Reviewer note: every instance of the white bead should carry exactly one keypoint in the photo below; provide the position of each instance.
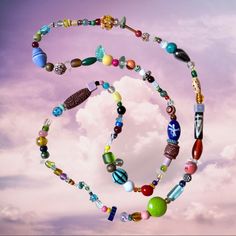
(155, 84)
(142, 72)
(163, 44)
(129, 186)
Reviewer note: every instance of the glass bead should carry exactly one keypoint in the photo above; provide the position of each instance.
(87, 188)
(119, 176)
(80, 185)
(112, 213)
(106, 85)
(171, 47)
(174, 130)
(43, 133)
(157, 206)
(75, 62)
(45, 155)
(122, 62)
(39, 57)
(147, 190)
(100, 52)
(163, 44)
(104, 208)
(145, 215)
(190, 167)
(181, 55)
(88, 61)
(43, 148)
(60, 68)
(191, 65)
(57, 172)
(115, 62)
(119, 162)
(35, 44)
(187, 177)
(59, 23)
(136, 216)
(41, 141)
(123, 22)
(182, 183)
(50, 164)
(121, 110)
(98, 204)
(130, 64)
(93, 198)
(120, 117)
(137, 68)
(194, 73)
(111, 89)
(124, 216)
(175, 192)
(142, 72)
(45, 29)
(85, 22)
(138, 33)
(108, 157)
(163, 168)
(57, 111)
(107, 60)
(199, 107)
(107, 148)
(111, 167)
(197, 149)
(117, 129)
(155, 182)
(119, 124)
(63, 176)
(37, 37)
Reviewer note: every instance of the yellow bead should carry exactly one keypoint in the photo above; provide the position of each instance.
(57, 172)
(107, 60)
(107, 148)
(152, 185)
(41, 141)
(107, 22)
(160, 176)
(116, 96)
(67, 23)
(199, 98)
(108, 210)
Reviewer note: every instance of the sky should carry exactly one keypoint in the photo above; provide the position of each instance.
(33, 201)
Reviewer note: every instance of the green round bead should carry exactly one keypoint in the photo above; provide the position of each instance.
(108, 157)
(45, 155)
(157, 206)
(45, 128)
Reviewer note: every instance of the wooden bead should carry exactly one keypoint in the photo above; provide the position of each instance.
(75, 62)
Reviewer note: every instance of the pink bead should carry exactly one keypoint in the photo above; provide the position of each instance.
(115, 62)
(43, 133)
(145, 215)
(104, 209)
(190, 167)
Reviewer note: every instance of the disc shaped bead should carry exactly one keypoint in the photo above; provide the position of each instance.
(171, 47)
(89, 61)
(108, 157)
(119, 176)
(41, 141)
(107, 60)
(174, 130)
(147, 190)
(157, 206)
(75, 62)
(197, 149)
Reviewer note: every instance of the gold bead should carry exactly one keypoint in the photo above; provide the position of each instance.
(136, 216)
(199, 98)
(107, 22)
(152, 185)
(66, 23)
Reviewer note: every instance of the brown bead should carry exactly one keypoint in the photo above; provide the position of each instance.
(111, 167)
(71, 181)
(49, 67)
(57, 172)
(171, 151)
(75, 62)
(171, 110)
(136, 216)
(130, 64)
(197, 149)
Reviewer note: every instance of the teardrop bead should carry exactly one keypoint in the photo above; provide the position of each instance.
(181, 55)
(197, 149)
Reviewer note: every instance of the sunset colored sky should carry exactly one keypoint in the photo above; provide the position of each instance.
(33, 200)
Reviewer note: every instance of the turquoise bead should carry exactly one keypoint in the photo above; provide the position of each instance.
(39, 57)
(89, 61)
(171, 47)
(100, 52)
(119, 176)
(106, 85)
(45, 29)
(57, 111)
(175, 192)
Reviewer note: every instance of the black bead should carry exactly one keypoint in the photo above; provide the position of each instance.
(150, 79)
(43, 148)
(182, 183)
(121, 110)
(181, 55)
(114, 135)
(187, 177)
(97, 83)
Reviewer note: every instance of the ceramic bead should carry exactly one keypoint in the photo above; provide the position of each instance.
(129, 186)
(190, 167)
(107, 60)
(174, 130)
(39, 57)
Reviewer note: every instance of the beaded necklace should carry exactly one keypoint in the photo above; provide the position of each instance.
(157, 206)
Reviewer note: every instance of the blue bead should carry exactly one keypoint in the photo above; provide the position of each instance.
(171, 47)
(175, 192)
(182, 183)
(100, 52)
(119, 119)
(39, 57)
(119, 124)
(93, 198)
(45, 29)
(57, 111)
(112, 213)
(119, 176)
(106, 85)
(173, 130)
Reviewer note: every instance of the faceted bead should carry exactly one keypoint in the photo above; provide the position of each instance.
(181, 55)
(98, 21)
(63, 176)
(136, 216)
(45, 29)
(108, 157)
(175, 192)
(124, 217)
(57, 172)
(57, 111)
(89, 61)
(116, 96)
(39, 57)
(129, 186)
(111, 167)
(121, 110)
(43, 133)
(123, 22)
(197, 149)
(157, 206)
(145, 215)
(117, 129)
(35, 44)
(100, 52)
(45, 155)
(174, 130)
(60, 68)
(171, 47)
(122, 62)
(130, 64)
(137, 68)
(138, 33)
(75, 62)
(147, 190)
(107, 60)
(43, 148)
(190, 167)
(119, 176)
(111, 89)
(93, 198)
(163, 44)
(194, 73)
(49, 67)
(85, 22)
(41, 141)
(106, 85)
(50, 164)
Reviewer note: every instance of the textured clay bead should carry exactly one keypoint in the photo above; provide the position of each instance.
(119, 176)
(89, 61)
(49, 67)
(190, 167)
(77, 98)
(181, 55)
(147, 190)
(136, 216)
(75, 62)
(107, 60)
(129, 186)
(39, 57)
(130, 64)
(41, 141)
(171, 151)
(157, 206)
(108, 157)
(197, 149)
(60, 68)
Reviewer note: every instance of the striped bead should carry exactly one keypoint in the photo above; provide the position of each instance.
(119, 176)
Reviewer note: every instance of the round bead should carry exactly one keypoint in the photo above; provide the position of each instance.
(130, 64)
(107, 60)
(75, 62)
(41, 141)
(111, 167)
(43, 148)
(117, 129)
(45, 155)
(150, 79)
(129, 186)
(121, 110)
(63, 176)
(106, 85)
(37, 37)
(119, 162)
(119, 176)
(119, 124)
(45, 128)
(104, 208)
(138, 33)
(145, 215)
(43, 133)
(157, 206)
(108, 157)
(35, 44)
(170, 110)
(190, 167)
(136, 216)
(57, 111)
(147, 190)
(171, 47)
(60, 68)
(98, 21)
(154, 182)
(182, 183)
(115, 62)
(124, 216)
(49, 67)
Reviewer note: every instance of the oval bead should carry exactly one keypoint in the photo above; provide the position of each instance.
(43, 133)
(89, 61)
(45, 29)
(116, 96)
(181, 55)
(174, 130)
(50, 164)
(147, 190)
(119, 176)
(157, 206)
(197, 149)
(136, 216)
(37, 37)
(75, 62)
(190, 167)
(57, 172)
(39, 57)
(111, 167)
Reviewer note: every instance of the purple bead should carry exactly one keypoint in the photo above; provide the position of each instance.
(92, 86)
(63, 176)
(154, 182)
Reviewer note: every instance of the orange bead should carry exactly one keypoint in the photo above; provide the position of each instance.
(136, 216)
(130, 64)
(197, 149)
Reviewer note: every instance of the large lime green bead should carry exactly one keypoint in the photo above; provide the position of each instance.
(157, 206)
(108, 157)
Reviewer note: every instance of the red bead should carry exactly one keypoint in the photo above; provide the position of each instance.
(138, 33)
(147, 190)
(197, 149)
(117, 129)
(167, 97)
(35, 44)
(98, 21)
